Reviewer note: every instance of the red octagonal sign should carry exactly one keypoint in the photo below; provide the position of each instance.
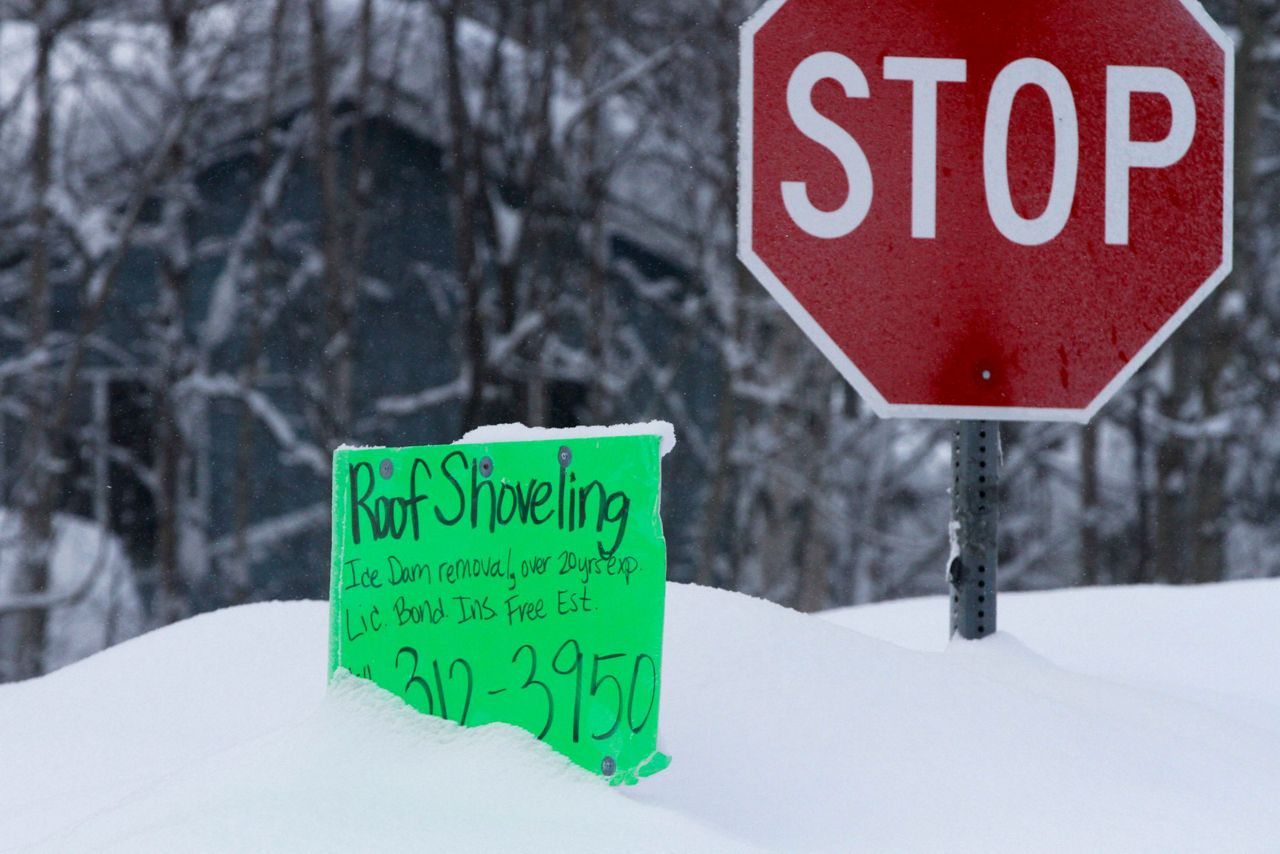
(990, 209)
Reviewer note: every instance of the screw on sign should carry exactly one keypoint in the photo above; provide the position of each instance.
(989, 210)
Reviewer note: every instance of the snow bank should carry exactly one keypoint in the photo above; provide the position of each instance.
(802, 735)
(789, 733)
(217, 735)
(1218, 644)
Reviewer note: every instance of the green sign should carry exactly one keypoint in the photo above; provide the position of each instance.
(520, 582)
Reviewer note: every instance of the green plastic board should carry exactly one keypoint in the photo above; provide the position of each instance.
(515, 582)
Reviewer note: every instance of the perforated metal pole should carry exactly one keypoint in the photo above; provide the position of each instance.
(975, 457)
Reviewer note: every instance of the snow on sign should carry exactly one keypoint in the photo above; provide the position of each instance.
(520, 582)
(993, 209)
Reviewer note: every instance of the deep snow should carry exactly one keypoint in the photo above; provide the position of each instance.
(1217, 645)
(1124, 720)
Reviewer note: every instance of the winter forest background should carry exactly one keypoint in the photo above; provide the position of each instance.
(234, 235)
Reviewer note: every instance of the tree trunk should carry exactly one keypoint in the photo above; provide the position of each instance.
(1173, 472)
(1089, 510)
(464, 188)
(1140, 572)
(171, 447)
(24, 635)
(335, 386)
(239, 581)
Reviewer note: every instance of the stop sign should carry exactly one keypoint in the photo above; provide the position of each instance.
(993, 209)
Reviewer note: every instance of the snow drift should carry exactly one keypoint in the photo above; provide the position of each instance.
(788, 732)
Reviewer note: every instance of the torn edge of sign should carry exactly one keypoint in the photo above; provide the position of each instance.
(521, 433)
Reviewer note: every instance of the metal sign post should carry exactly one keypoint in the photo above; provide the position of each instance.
(975, 457)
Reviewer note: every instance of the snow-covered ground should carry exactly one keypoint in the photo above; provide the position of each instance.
(1217, 645)
(1107, 720)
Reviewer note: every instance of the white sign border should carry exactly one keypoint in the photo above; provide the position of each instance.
(837, 357)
